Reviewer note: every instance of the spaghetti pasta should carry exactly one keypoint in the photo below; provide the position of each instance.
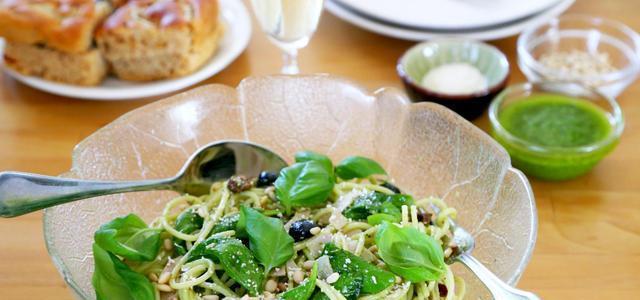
(217, 216)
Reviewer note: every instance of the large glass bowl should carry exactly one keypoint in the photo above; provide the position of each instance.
(426, 148)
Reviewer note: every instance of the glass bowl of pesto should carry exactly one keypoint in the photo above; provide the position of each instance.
(555, 131)
(427, 149)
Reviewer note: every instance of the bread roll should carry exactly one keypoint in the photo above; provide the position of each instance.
(86, 68)
(157, 39)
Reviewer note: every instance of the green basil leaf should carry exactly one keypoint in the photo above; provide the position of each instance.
(305, 289)
(410, 253)
(375, 203)
(305, 156)
(374, 279)
(319, 295)
(179, 249)
(226, 223)
(377, 219)
(268, 239)
(240, 225)
(236, 259)
(188, 222)
(349, 286)
(358, 167)
(129, 237)
(305, 184)
(112, 279)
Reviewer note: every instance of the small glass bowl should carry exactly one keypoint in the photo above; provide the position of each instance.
(555, 163)
(587, 34)
(423, 57)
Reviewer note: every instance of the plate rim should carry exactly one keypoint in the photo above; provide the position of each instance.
(417, 26)
(421, 35)
(242, 32)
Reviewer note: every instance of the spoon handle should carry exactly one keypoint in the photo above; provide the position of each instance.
(22, 193)
(497, 287)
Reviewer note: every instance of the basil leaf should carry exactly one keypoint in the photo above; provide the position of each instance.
(305, 184)
(410, 253)
(268, 239)
(349, 286)
(178, 248)
(226, 223)
(236, 259)
(319, 295)
(187, 222)
(358, 167)
(305, 289)
(112, 279)
(129, 237)
(305, 156)
(377, 219)
(377, 203)
(348, 265)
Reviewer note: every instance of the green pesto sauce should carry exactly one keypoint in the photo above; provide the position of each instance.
(556, 120)
(560, 122)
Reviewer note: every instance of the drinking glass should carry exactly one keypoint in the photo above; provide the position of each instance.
(289, 24)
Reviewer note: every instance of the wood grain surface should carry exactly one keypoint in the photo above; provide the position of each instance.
(589, 234)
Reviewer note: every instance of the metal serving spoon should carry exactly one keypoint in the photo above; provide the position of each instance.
(498, 288)
(22, 193)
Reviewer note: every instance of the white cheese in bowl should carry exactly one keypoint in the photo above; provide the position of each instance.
(455, 79)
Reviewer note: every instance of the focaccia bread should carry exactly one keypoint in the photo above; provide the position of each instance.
(64, 25)
(86, 68)
(157, 39)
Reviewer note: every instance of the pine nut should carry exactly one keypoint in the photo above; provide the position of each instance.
(333, 278)
(298, 276)
(164, 277)
(168, 244)
(308, 265)
(164, 288)
(271, 285)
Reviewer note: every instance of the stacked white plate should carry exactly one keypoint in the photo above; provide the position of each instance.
(427, 19)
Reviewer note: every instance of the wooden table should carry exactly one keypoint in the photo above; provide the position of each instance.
(589, 235)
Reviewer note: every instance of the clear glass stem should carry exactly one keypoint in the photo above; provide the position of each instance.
(290, 61)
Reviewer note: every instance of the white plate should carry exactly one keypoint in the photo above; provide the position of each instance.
(236, 37)
(491, 33)
(448, 14)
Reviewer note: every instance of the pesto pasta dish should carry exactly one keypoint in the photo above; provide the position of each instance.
(314, 230)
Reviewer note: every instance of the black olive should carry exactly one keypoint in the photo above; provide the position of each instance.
(301, 230)
(266, 179)
(392, 187)
(442, 290)
(424, 216)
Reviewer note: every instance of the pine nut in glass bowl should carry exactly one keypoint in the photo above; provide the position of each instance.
(555, 131)
(599, 53)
